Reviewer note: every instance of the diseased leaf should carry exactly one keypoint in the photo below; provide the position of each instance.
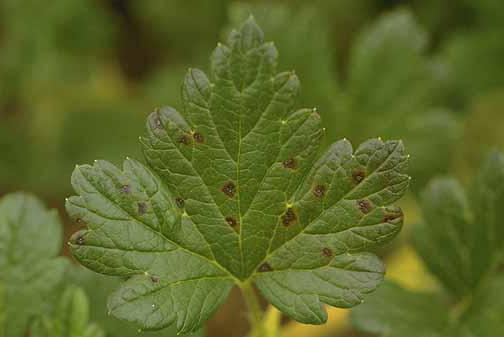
(237, 195)
(393, 312)
(461, 238)
(70, 318)
(30, 240)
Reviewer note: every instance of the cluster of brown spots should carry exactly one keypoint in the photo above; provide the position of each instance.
(154, 279)
(289, 217)
(126, 189)
(364, 206)
(184, 139)
(231, 221)
(327, 252)
(229, 189)
(265, 267)
(289, 163)
(79, 240)
(319, 191)
(142, 208)
(198, 137)
(179, 202)
(358, 176)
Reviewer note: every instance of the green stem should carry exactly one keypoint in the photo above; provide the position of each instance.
(255, 312)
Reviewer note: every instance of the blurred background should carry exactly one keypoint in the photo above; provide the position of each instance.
(78, 78)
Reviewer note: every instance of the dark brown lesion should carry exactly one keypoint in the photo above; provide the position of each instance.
(229, 189)
(179, 202)
(358, 176)
(79, 239)
(289, 218)
(290, 163)
(126, 189)
(327, 252)
(319, 191)
(265, 267)
(154, 279)
(364, 206)
(231, 221)
(198, 137)
(184, 139)
(142, 208)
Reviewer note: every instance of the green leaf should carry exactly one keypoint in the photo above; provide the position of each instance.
(30, 240)
(238, 196)
(98, 287)
(70, 318)
(461, 237)
(393, 312)
(485, 318)
(391, 77)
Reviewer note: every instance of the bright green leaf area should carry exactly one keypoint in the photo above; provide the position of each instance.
(30, 240)
(236, 193)
(70, 318)
(461, 242)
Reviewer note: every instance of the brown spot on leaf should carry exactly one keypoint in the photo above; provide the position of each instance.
(126, 189)
(184, 139)
(231, 221)
(289, 217)
(229, 189)
(198, 137)
(319, 191)
(180, 202)
(79, 240)
(154, 279)
(142, 208)
(327, 252)
(358, 176)
(289, 163)
(265, 267)
(80, 222)
(364, 206)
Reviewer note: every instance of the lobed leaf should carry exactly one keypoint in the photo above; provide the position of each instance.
(237, 194)
(30, 240)
(461, 239)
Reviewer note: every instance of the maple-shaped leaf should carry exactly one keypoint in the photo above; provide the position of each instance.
(237, 195)
(30, 240)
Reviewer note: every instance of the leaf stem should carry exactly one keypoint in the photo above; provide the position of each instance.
(255, 312)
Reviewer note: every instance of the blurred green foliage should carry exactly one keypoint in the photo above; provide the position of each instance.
(78, 77)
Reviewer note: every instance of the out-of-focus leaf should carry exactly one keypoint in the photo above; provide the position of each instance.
(30, 240)
(461, 238)
(394, 312)
(390, 78)
(69, 319)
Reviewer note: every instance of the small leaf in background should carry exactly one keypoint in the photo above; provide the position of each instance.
(30, 240)
(391, 78)
(69, 319)
(461, 242)
(394, 311)
(238, 196)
